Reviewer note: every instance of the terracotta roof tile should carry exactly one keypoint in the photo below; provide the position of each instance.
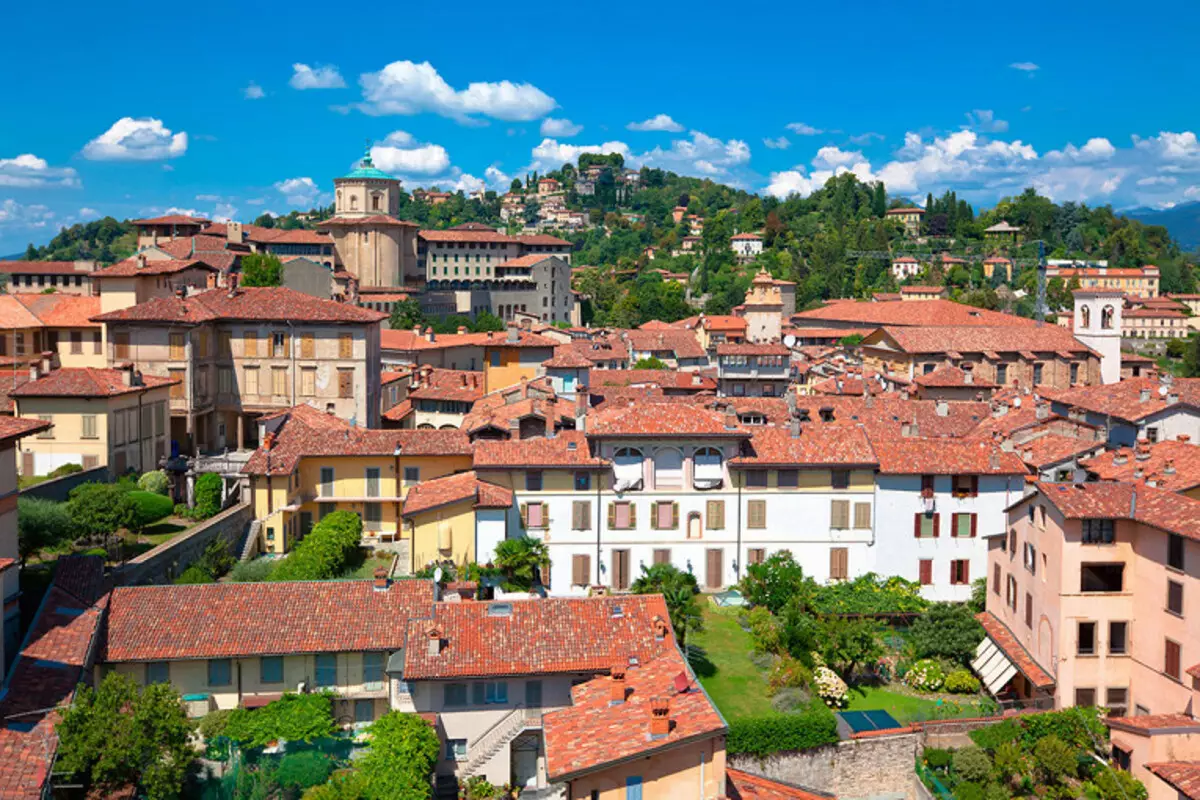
(744, 786)
(1158, 508)
(1149, 723)
(171, 219)
(567, 357)
(943, 456)
(374, 219)
(1183, 776)
(87, 382)
(927, 313)
(1052, 448)
(275, 303)
(680, 343)
(464, 386)
(1123, 464)
(662, 420)
(59, 310)
(456, 489)
(43, 268)
(566, 450)
(453, 235)
(601, 349)
(236, 620)
(1003, 638)
(662, 378)
(152, 266)
(978, 338)
(1124, 399)
(722, 322)
(14, 315)
(816, 445)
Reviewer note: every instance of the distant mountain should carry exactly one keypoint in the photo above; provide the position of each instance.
(1183, 222)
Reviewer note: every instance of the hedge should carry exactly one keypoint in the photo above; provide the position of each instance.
(761, 736)
(325, 552)
(149, 508)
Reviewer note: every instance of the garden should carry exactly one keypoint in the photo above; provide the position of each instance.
(1056, 755)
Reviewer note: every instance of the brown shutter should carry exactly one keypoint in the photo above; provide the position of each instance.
(345, 346)
(632, 518)
(937, 519)
(612, 516)
(287, 340)
(954, 525)
(862, 515)
(585, 515)
(250, 344)
(996, 578)
(524, 515)
(839, 514)
(926, 571)
(838, 562)
(917, 525)
(974, 520)
(662, 556)
(713, 570)
(308, 345)
(716, 515)
(654, 516)
(581, 570)
(674, 516)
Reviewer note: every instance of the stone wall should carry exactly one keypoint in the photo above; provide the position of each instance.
(167, 561)
(57, 489)
(876, 768)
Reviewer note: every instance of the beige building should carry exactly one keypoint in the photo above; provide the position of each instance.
(67, 277)
(910, 218)
(55, 326)
(153, 230)
(113, 417)
(237, 354)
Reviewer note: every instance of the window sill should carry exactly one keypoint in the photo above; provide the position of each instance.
(1087, 655)
(1176, 614)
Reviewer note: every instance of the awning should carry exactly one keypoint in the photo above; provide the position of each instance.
(1001, 638)
(992, 666)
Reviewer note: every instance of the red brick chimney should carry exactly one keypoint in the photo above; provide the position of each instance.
(381, 579)
(617, 685)
(660, 717)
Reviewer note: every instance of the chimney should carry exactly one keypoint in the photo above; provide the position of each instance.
(795, 428)
(731, 419)
(34, 371)
(1042, 411)
(1169, 469)
(514, 335)
(1173, 397)
(434, 640)
(943, 408)
(660, 627)
(416, 330)
(1183, 437)
(381, 579)
(616, 692)
(994, 460)
(461, 329)
(233, 284)
(1144, 395)
(1143, 452)
(45, 363)
(429, 336)
(233, 232)
(1138, 472)
(660, 717)
(581, 407)
(181, 292)
(129, 375)
(1120, 458)
(140, 260)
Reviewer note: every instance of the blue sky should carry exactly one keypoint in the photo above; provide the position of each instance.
(226, 110)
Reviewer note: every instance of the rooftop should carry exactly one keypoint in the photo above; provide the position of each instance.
(943, 456)
(1158, 508)
(681, 343)
(46, 267)
(1171, 464)
(139, 265)
(976, 338)
(565, 450)
(1183, 776)
(464, 486)
(816, 445)
(931, 312)
(88, 382)
(275, 304)
(999, 633)
(652, 420)
(752, 349)
(1133, 399)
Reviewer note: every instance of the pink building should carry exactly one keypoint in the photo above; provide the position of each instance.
(1093, 597)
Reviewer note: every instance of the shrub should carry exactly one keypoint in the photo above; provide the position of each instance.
(40, 524)
(1010, 761)
(64, 469)
(209, 487)
(155, 481)
(324, 553)
(761, 736)
(148, 508)
(972, 764)
(961, 681)
(1078, 726)
(479, 788)
(993, 736)
(213, 723)
(788, 673)
(968, 791)
(937, 758)
(293, 717)
(399, 763)
(791, 698)
(775, 582)
(925, 676)
(1114, 784)
(254, 571)
(764, 629)
(195, 574)
(870, 594)
(946, 630)
(1054, 759)
(995, 791)
(99, 509)
(304, 769)
(216, 560)
(830, 688)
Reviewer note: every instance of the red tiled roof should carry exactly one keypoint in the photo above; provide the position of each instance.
(275, 303)
(87, 382)
(453, 235)
(567, 450)
(681, 343)
(887, 414)
(1150, 723)
(59, 310)
(930, 312)
(1003, 638)
(943, 456)
(752, 349)
(908, 210)
(593, 733)
(1124, 398)
(548, 636)
(1052, 448)
(407, 340)
(530, 260)
(746, 237)
(1155, 313)
(237, 620)
(1183, 776)
(542, 239)
(374, 219)
(918, 289)
(1182, 457)
(816, 445)
(43, 268)
(1158, 508)
(567, 357)
(949, 377)
(664, 378)
(215, 251)
(829, 333)
(745, 786)
(457, 488)
(524, 339)
(977, 338)
(661, 420)
(722, 322)
(607, 348)
(170, 219)
(153, 266)
(447, 384)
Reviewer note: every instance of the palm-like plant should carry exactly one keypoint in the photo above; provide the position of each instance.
(521, 558)
(679, 590)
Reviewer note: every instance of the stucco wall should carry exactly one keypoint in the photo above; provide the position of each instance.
(170, 559)
(877, 768)
(57, 489)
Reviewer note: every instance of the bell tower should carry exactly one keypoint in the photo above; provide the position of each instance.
(1098, 325)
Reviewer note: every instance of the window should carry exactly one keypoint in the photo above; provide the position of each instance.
(583, 481)
(89, 426)
(1174, 551)
(279, 381)
(372, 671)
(251, 375)
(665, 516)
(345, 345)
(345, 383)
(308, 382)
(1074, 372)
(533, 481)
(250, 344)
(964, 525)
(707, 468)
(456, 749)
(489, 693)
(1085, 697)
(627, 468)
(960, 571)
(1028, 610)
(1098, 531)
(839, 563)
(1010, 593)
(925, 571)
(1002, 374)
(1118, 633)
(120, 345)
(1030, 557)
(996, 579)
(1175, 597)
(965, 485)
(1037, 373)
(1012, 542)
(279, 342)
(1116, 700)
(325, 673)
(622, 516)
(76, 342)
(756, 479)
(219, 672)
(581, 515)
(327, 475)
(412, 474)
(839, 514)
(533, 515)
(840, 478)
(1101, 577)
(581, 570)
(788, 478)
(668, 468)
(862, 516)
(1085, 640)
(95, 344)
(715, 515)
(633, 788)
(270, 669)
(1171, 659)
(756, 514)
(925, 526)
(756, 555)
(372, 477)
(158, 672)
(494, 358)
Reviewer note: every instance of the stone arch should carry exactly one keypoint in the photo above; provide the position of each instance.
(1106, 317)
(1085, 316)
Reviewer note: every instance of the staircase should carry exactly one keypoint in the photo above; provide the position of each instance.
(250, 546)
(504, 731)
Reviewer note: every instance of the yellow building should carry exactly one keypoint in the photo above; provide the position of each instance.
(116, 417)
(509, 358)
(148, 275)
(58, 326)
(910, 218)
(458, 517)
(311, 464)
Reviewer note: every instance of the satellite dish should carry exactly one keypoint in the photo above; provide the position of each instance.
(789, 340)
(1016, 402)
(437, 575)
(1162, 390)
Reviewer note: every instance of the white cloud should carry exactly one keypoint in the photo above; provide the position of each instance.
(831, 157)
(321, 77)
(1095, 149)
(253, 92)
(1158, 180)
(27, 171)
(803, 129)
(224, 212)
(140, 139)
(559, 127)
(659, 122)
(685, 155)
(208, 198)
(401, 153)
(88, 212)
(19, 215)
(866, 138)
(404, 87)
(256, 201)
(778, 143)
(497, 178)
(1078, 184)
(551, 154)
(1169, 146)
(984, 120)
(961, 157)
(300, 192)
(1025, 66)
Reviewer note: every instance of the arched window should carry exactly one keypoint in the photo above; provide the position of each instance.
(708, 470)
(668, 468)
(1106, 318)
(353, 202)
(627, 468)
(1085, 315)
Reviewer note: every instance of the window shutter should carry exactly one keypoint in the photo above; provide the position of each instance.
(954, 524)
(524, 515)
(716, 515)
(937, 518)
(974, 520)
(966, 571)
(632, 516)
(674, 516)
(585, 515)
(974, 484)
(286, 342)
(575, 509)
(612, 516)
(839, 514)
(250, 344)
(917, 525)
(926, 571)
(478, 692)
(862, 515)
(308, 345)
(654, 511)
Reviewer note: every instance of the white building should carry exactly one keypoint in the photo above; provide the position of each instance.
(1098, 325)
(905, 267)
(746, 246)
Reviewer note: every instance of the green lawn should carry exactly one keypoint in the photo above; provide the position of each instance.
(367, 568)
(721, 658)
(904, 708)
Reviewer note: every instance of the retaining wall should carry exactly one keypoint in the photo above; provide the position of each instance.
(167, 561)
(57, 489)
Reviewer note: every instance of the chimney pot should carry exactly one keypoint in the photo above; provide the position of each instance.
(381, 578)
(1183, 437)
(660, 717)
(1144, 395)
(34, 372)
(617, 684)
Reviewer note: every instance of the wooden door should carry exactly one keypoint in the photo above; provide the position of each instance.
(27, 464)
(620, 569)
(714, 572)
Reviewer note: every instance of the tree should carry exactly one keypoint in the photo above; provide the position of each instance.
(325, 552)
(521, 559)
(515, 186)
(406, 315)
(293, 717)
(847, 643)
(100, 509)
(776, 581)
(650, 362)
(1055, 759)
(261, 269)
(399, 763)
(487, 321)
(265, 221)
(40, 524)
(946, 630)
(679, 590)
(115, 737)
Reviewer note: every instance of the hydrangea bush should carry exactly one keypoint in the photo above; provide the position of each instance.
(830, 688)
(925, 676)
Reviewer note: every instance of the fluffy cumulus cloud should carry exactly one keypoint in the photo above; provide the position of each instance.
(552, 154)
(320, 77)
(1096, 149)
(253, 92)
(27, 171)
(659, 122)
(136, 139)
(831, 157)
(224, 212)
(803, 129)
(778, 143)
(300, 192)
(407, 88)
(400, 153)
(20, 215)
(497, 178)
(559, 127)
(984, 120)
(700, 152)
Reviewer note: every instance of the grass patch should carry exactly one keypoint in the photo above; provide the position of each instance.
(906, 708)
(720, 655)
(25, 481)
(365, 568)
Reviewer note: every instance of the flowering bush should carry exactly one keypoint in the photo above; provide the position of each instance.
(925, 675)
(960, 681)
(788, 673)
(830, 687)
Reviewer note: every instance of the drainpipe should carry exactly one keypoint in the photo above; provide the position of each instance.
(599, 517)
(396, 455)
(141, 433)
(292, 359)
(738, 571)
